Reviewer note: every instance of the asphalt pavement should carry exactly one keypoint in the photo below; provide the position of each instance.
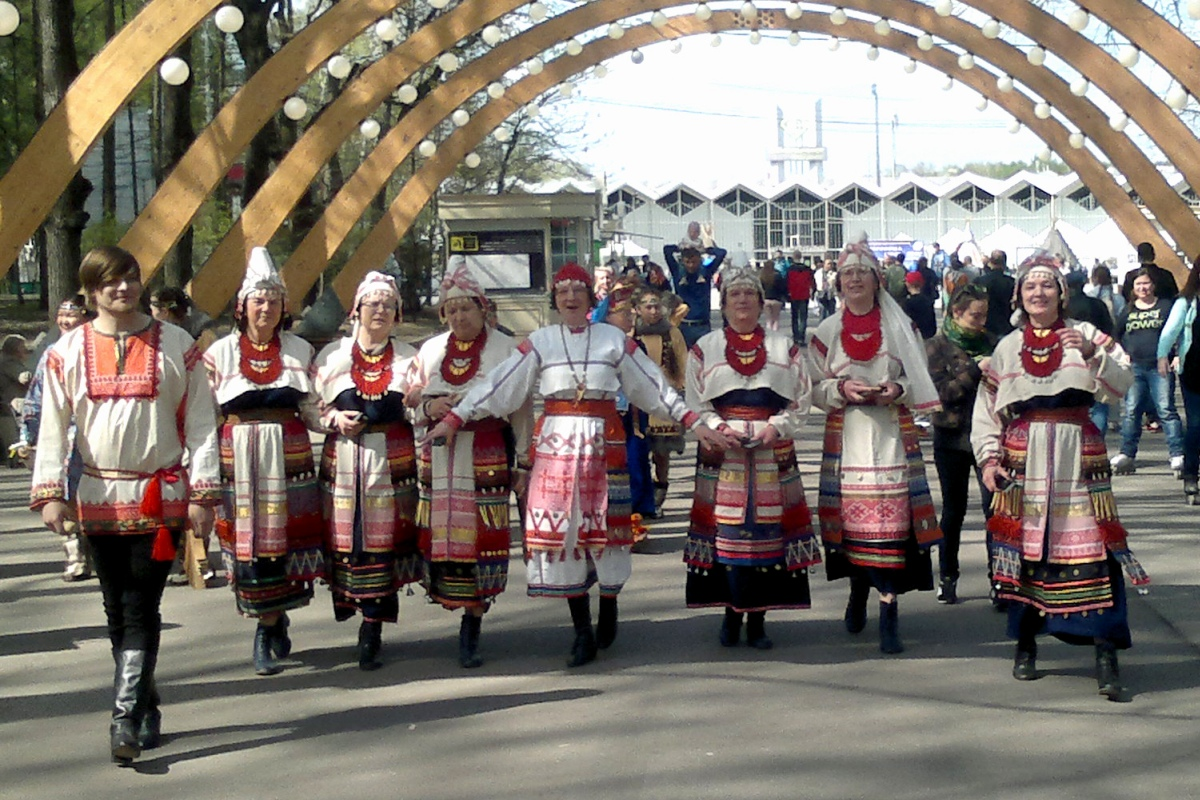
(665, 713)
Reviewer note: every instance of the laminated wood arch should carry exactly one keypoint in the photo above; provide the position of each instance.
(302, 271)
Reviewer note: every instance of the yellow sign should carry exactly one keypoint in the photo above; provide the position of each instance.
(465, 243)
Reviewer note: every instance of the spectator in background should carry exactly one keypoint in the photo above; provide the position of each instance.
(1165, 287)
(1181, 330)
(1101, 288)
(801, 285)
(775, 291)
(1138, 331)
(1000, 287)
(827, 288)
(72, 313)
(694, 280)
(939, 261)
(15, 376)
(930, 280)
(919, 306)
(1084, 308)
(893, 277)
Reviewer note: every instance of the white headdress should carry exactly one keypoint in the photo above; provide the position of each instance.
(261, 276)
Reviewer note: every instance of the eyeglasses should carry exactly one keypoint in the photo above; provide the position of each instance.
(373, 306)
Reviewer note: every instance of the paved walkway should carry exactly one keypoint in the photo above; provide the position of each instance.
(666, 713)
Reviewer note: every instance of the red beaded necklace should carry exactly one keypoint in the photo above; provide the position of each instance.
(1041, 349)
(371, 373)
(862, 335)
(462, 360)
(260, 363)
(746, 352)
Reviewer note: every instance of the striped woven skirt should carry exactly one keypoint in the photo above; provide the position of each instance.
(750, 539)
(463, 515)
(369, 486)
(875, 509)
(1056, 536)
(271, 536)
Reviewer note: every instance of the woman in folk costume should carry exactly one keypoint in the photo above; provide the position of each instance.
(272, 532)
(1057, 543)
(870, 376)
(577, 526)
(369, 466)
(750, 541)
(142, 408)
(664, 343)
(463, 513)
(617, 310)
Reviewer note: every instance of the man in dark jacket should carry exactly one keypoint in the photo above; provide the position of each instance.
(1000, 287)
(1165, 286)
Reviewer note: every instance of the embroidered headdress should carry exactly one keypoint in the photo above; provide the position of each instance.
(899, 336)
(261, 276)
(376, 282)
(621, 296)
(1040, 263)
(740, 276)
(461, 281)
(73, 305)
(858, 253)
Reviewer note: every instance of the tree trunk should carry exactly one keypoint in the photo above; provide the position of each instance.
(255, 48)
(108, 153)
(59, 65)
(176, 134)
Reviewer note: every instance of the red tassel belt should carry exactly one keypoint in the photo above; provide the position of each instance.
(584, 408)
(753, 413)
(151, 506)
(1078, 415)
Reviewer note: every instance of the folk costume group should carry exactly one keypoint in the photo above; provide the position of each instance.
(172, 441)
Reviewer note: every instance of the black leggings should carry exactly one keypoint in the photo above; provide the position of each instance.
(132, 587)
(954, 468)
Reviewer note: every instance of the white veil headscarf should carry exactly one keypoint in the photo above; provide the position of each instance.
(897, 328)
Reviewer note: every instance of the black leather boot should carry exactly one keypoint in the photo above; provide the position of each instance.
(370, 641)
(856, 607)
(1025, 663)
(731, 628)
(468, 641)
(1108, 676)
(264, 662)
(756, 635)
(128, 700)
(889, 628)
(606, 625)
(583, 651)
(281, 643)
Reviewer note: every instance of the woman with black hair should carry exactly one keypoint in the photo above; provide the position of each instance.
(954, 355)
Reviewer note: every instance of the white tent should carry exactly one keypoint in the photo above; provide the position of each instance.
(1009, 239)
(622, 250)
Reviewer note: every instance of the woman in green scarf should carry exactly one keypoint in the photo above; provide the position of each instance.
(954, 356)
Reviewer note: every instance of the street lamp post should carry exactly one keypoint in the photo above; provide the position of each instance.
(875, 94)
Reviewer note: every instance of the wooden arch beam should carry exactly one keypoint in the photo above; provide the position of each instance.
(323, 242)
(416, 193)
(204, 166)
(1167, 206)
(219, 276)
(41, 173)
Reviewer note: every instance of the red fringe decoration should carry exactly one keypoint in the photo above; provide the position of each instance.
(164, 546)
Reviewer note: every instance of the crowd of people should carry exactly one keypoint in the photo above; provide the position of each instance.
(144, 437)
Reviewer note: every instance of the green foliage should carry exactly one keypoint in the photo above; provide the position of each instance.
(107, 231)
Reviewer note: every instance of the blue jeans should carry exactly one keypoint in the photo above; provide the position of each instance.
(1099, 415)
(1151, 389)
(692, 332)
(1191, 436)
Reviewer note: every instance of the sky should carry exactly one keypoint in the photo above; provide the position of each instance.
(706, 116)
